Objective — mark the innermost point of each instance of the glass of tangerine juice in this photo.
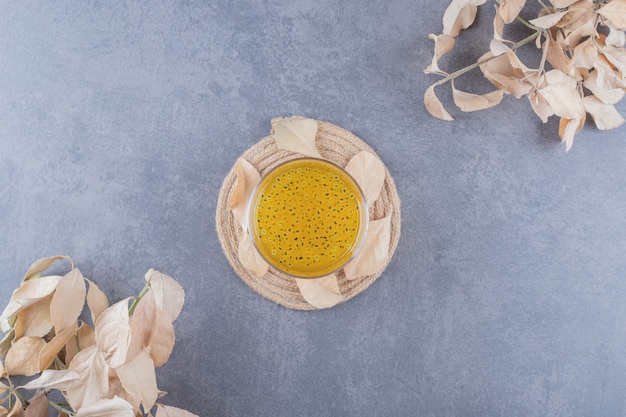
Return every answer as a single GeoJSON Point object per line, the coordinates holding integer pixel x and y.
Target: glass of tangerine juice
{"type": "Point", "coordinates": [307, 217]}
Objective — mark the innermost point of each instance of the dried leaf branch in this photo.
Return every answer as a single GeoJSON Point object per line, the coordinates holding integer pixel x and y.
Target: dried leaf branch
{"type": "Point", "coordinates": [103, 368]}
{"type": "Point", "coordinates": [582, 67]}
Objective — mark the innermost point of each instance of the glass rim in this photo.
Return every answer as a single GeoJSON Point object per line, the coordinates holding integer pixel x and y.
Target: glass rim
{"type": "Point", "coordinates": [363, 224]}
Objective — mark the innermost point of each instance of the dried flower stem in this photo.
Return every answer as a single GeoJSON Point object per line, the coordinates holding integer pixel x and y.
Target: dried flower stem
{"type": "Point", "coordinates": [136, 301]}
{"type": "Point", "coordinates": [546, 8]}
{"type": "Point", "coordinates": [524, 21]}
{"type": "Point", "coordinates": [13, 392]}
{"type": "Point", "coordinates": [527, 24]}
{"type": "Point", "coordinates": [59, 407]}
{"type": "Point", "coordinates": [477, 64]}
{"type": "Point", "coordinates": [77, 340]}
{"type": "Point", "coordinates": [20, 396]}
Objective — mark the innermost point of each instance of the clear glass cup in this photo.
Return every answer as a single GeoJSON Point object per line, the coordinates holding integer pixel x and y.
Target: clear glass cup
{"type": "Point", "coordinates": [307, 217]}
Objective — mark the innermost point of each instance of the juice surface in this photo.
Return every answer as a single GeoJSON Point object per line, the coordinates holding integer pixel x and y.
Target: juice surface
{"type": "Point", "coordinates": [307, 217]}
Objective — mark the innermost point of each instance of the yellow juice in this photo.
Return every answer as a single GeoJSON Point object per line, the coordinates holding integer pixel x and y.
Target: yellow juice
{"type": "Point", "coordinates": [307, 217]}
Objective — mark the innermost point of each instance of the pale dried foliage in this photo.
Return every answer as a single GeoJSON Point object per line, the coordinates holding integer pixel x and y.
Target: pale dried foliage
{"type": "Point", "coordinates": [321, 292]}
{"type": "Point", "coordinates": [369, 172]}
{"type": "Point", "coordinates": [103, 368]}
{"type": "Point", "coordinates": [373, 255]}
{"type": "Point", "coordinates": [582, 67]}
{"type": "Point", "coordinates": [298, 135]}
{"type": "Point", "coordinates": [247, 178]}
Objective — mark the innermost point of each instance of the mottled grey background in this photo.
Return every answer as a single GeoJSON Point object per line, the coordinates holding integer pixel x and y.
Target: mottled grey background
{"type": "Point", "coordinates": [119, 120]}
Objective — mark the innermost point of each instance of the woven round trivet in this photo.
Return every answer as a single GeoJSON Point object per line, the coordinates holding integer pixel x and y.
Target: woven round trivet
{"type": "Point", "coordinates": [337, 145]}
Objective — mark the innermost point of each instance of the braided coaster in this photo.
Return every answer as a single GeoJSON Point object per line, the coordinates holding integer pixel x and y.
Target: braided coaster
{"type": "Point", "coordinates": [337, 145]}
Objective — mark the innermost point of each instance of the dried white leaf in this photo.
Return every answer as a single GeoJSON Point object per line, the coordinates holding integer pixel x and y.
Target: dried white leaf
{"type": "Point", "coordinates": [138, 378]}
{"type": "Point", "coordinates": [582, 28]}
{"type": "Point", "coordinates": [605, 85]}
{"type": "Point", "coordinates": [498, 26]}
{"type": "Point", "coordinates": [616, 38]}
{"type": "Point", "coordinates": [578, 13]}
{"type": "Point", "coordinates": [96, 301]}
{"type": "Point", "coordinates": [372, 257]}
{"type": "Point", "coordinates": [142, 325]}
{"type": "Point", "coordinates": [568, 128]}
{"type": "Point", "coordinates": [296, 134]}
{"type": "Point", "coordinates": [35, 319]}
{"type": "Point", "coordinates": [247, 179]}
{"type": "Point", "coordinates": [497, 48]}
{"type": "Point", "coordinates": [556, 57]}
{"type": "Point", "coordinates": [561, 93]}
{"type": "Point", "coordinates": [510, 9]}
{"type": "Point", "coordinates": [54, 346]}
{"type": "Point", "coordinates": [23, 357]}
{"type": "Point", "coordinates": [162, 340]}
{"type": "Point", "coordinates": [117, 390]}
{"type": "Point", "coordinates": [250, 258]}
{"type": "Point", "coordinates": [38, 407]}
{"type": "Point", "coordinates": [540, 106]}
{"type": "Point", "coordinates": [53, 379]}
{"type": "Point", "coordinates": [152, 331]}
{"type": "Point", "coordinates": [585, 55]}
{"type": "Point", "coordinates": [473, 102]}
{"type": "Point", "coordinates": [443, 45]}
{"type": "Point", "coordinates": [616, 56]}
{"type": "Point", "coordinates": [113, 333]}
{"type": "Point", "coordinates": [93, 378]}
{"type": "Point", "coordinates": [83, 338]}
{"type": "Point", "coordinates": [549, 20]}
{"type": "Point", "coordinates": [68, 300]}
{"type": "Point", "coordinates": [434, 106]}
{"type": "Point", "coordinates": [369, 173]}
{"type": "Point", "coordinates": [605, 116]}
{"type": "Point", "coordinates": [28, 293]}
{"type": "Point", "coordinates": [321, 292]}
{"type": "Point", "coordinates": [459, 15]}
{"type": "Point", "coordinates": [169, 295]}
{"type": "Point", "coordinates": [506, 72]}
{"type": "Point", "coordinates": [6, 342]}
{"type": "Point", "coordinates": [43, 264]}
{"type": "Point", "coordinates": [109, 407]}
{"type": "Point", "coordinates": [615, 13]}
{"type": "Point", "coordinates": [508, 64]}
{"type": "Point", "coordinates": [168, 411]}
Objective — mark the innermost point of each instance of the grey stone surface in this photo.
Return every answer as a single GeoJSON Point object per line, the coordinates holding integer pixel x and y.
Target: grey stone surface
{"type": "Point", "coordinates": [119, 120]}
